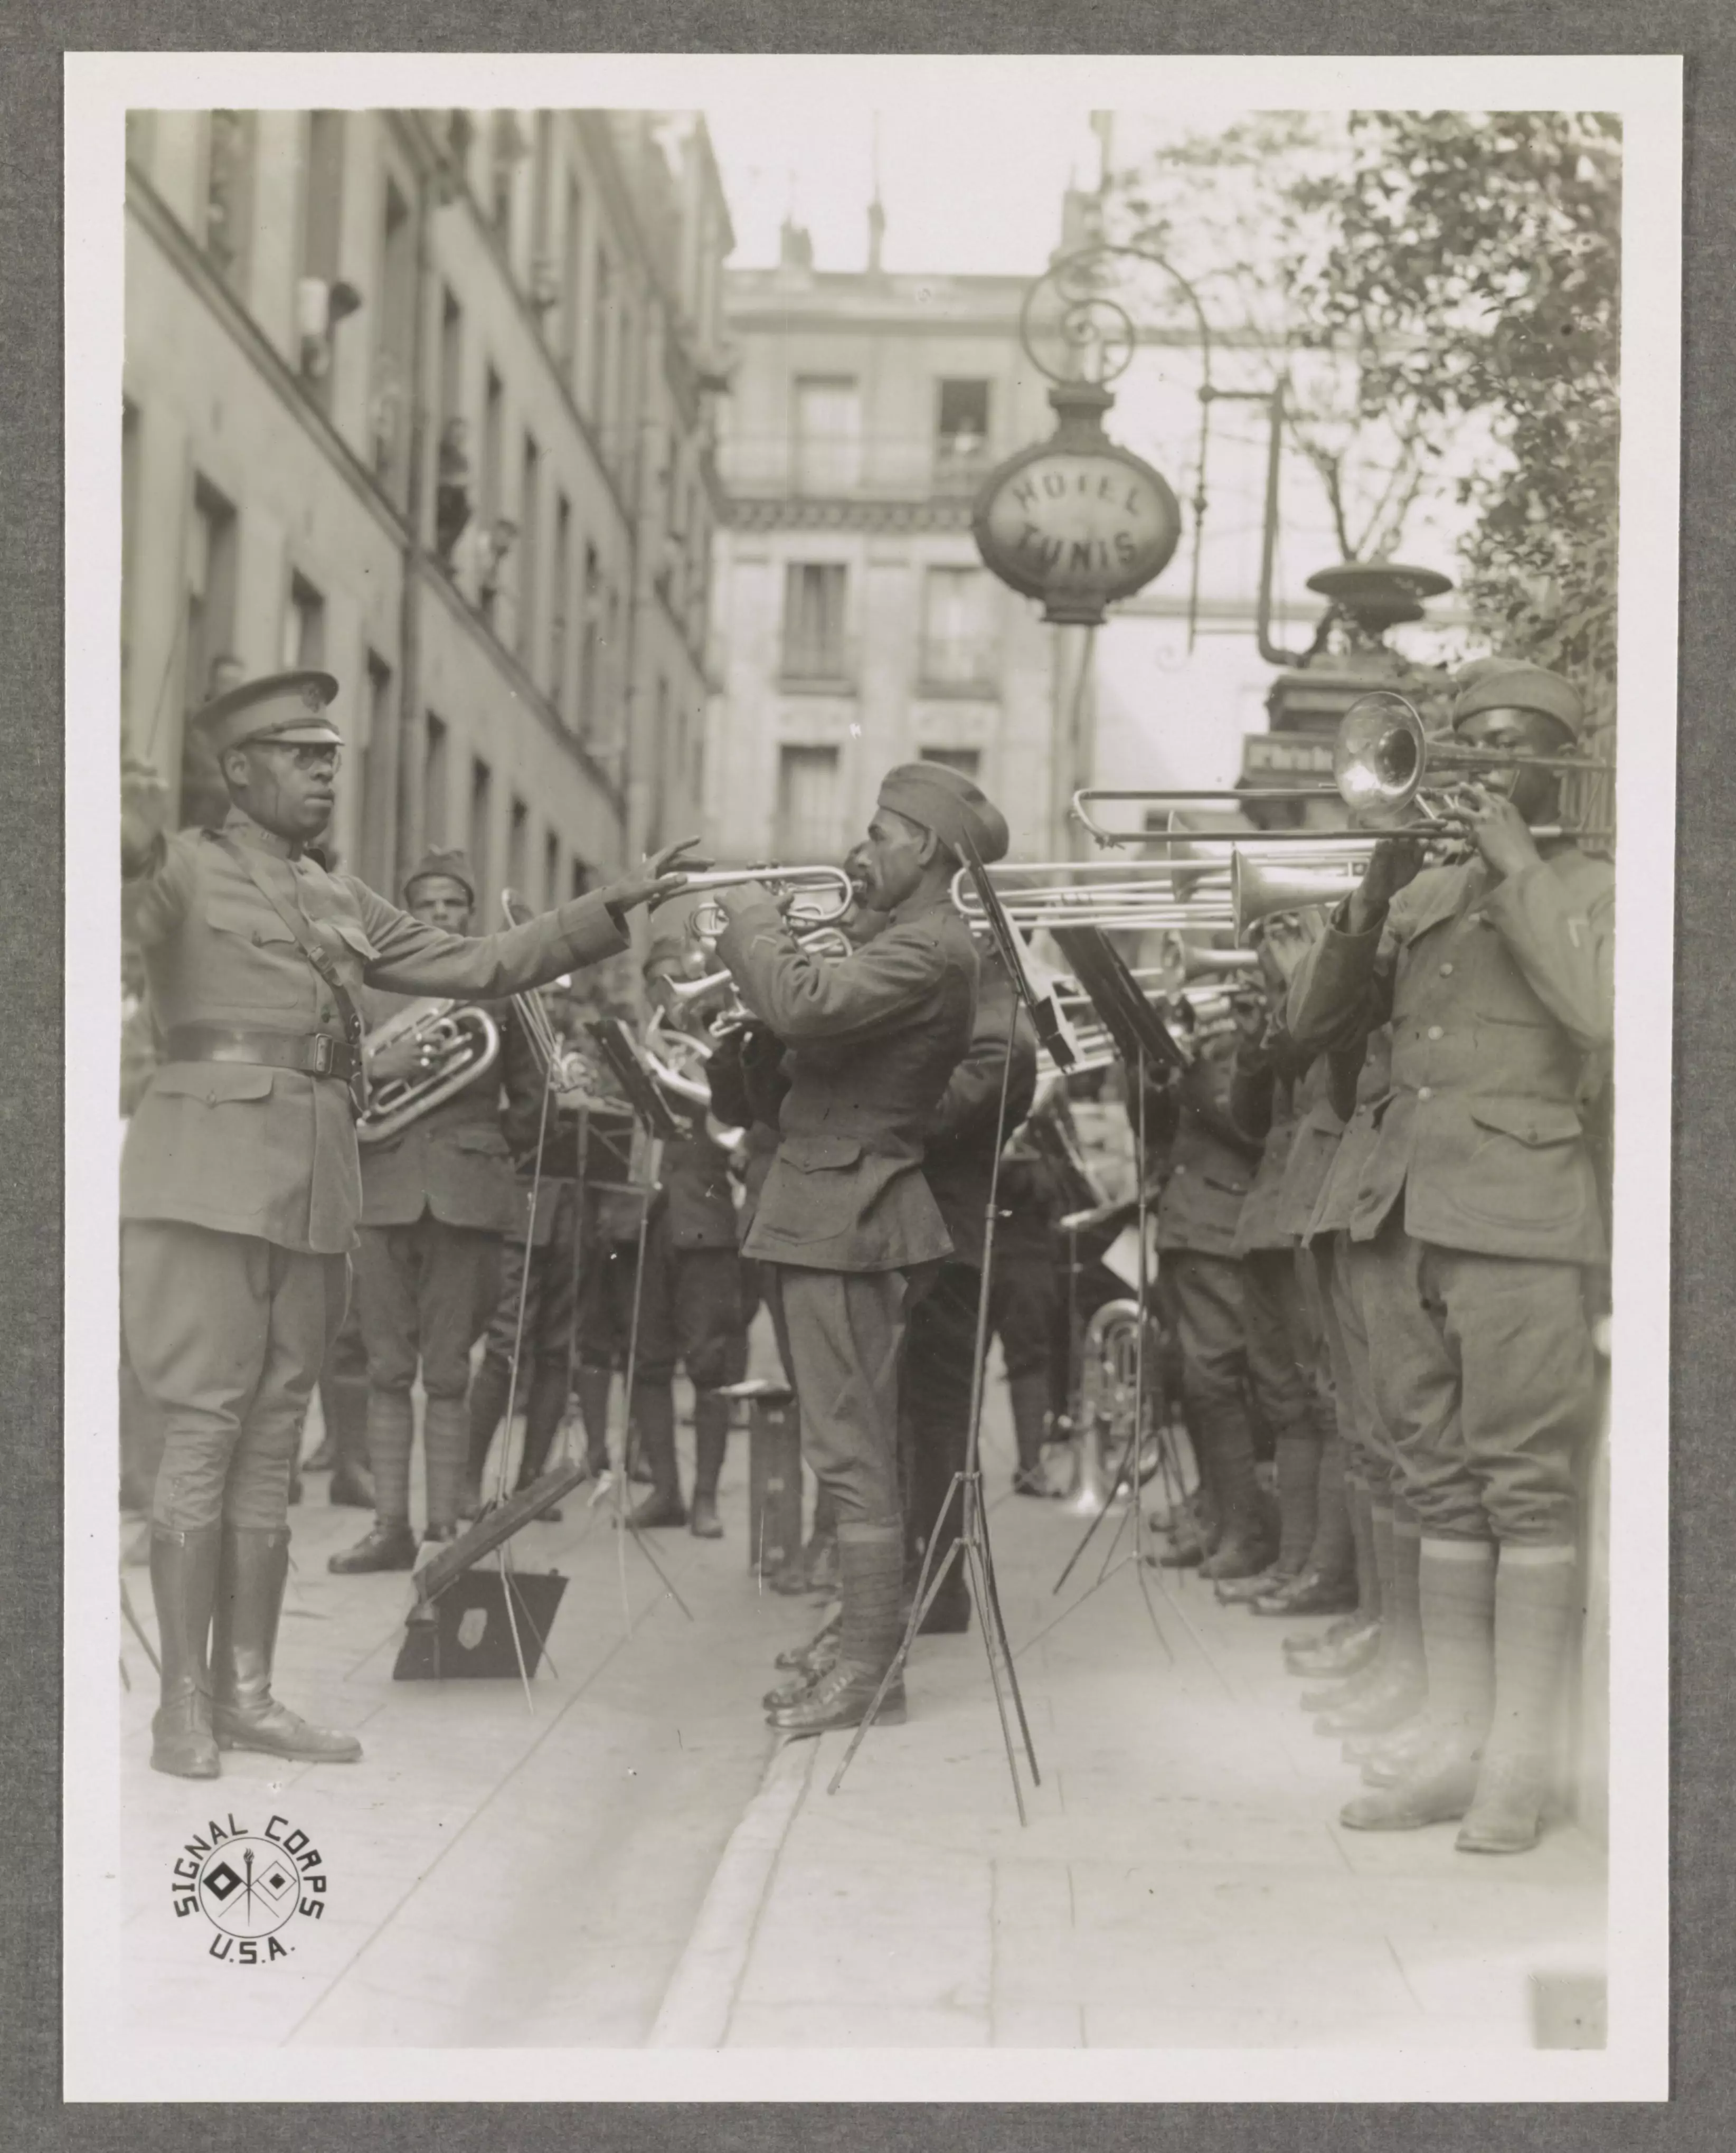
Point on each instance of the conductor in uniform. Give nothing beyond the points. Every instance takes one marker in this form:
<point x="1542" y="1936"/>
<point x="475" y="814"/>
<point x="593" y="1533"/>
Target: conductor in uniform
<point x="1480" y="1203"/>
<point x="847" y="1226"/>
<point x="241" y="1189"/>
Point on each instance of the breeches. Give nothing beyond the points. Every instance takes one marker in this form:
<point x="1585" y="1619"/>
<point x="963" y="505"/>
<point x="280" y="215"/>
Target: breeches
<point x="424" y="1293"/>
<point x="1341" y="1265"/>
<point x="549" y="1301"/>
<point x="691" y="1310"/>
<point x="1281" y="1334"/>
<point x="1483" y="1375"/>
<point x="226" y="1333"/>
<point x="842" y="1332"/>
<point x="1021" y="1310"/>
<point x="1210" y="1327"/>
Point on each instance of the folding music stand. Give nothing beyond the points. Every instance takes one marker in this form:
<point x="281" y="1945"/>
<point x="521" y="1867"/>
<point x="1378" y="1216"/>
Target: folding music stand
<point x="971" y="1545"/>
<point x="1143" y="1041"/>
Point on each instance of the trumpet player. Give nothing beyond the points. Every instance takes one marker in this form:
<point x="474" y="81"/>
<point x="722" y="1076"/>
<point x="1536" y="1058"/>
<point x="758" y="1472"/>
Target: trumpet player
<point x="240" y="1189"/>
<point x="682" y="1281"/>
<point x="846" y="1221"/>
<point x="1480" y="1202"/>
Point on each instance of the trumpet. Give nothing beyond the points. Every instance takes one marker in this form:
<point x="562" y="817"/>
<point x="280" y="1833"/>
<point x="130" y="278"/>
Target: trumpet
<point x="1381" y="758"/>
<point x="819" y="896"/>
<point x="818" y="941"/>
<point x="459" y="1042"/>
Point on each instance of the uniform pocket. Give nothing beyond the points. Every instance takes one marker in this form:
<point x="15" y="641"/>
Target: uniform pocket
<point x="352" y="932"/>
<point x="480" y="1138"/>
<point x="815" y="1154"/>
<point x="215" y="1083"/>
<point x="1534" y="1122"/>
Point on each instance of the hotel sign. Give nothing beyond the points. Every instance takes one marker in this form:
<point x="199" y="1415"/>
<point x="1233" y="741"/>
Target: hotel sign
<point x="1077" y="521"/>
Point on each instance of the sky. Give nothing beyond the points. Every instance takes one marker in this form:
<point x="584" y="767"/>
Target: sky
<point x="968" y="196"/>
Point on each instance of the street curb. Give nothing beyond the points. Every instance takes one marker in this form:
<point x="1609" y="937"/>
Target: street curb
<point x="695" y="2013"/>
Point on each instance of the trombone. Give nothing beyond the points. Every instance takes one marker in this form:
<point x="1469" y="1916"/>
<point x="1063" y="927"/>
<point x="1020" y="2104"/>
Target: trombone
<point x="1382" y="757"/>
<point x="819" y="896"/>
<point x="1104" y="894"/>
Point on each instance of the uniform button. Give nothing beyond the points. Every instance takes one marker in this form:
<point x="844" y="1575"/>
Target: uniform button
<point x="1446" y="971"/>
<point x="1425" y="1092"/>
<point x="1435" y="1032"/>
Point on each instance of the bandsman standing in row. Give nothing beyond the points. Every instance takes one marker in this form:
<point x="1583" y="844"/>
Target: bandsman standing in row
<point x="847" y="1224"/>
<point x="241" y="1188"/>
<point x="1480" y="1201"/>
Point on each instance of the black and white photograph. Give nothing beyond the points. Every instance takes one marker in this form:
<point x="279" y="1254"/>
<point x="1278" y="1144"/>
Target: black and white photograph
<point x="862" y="1073"/>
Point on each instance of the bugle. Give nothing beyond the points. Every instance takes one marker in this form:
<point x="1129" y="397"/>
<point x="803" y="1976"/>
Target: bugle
<point x="459" y="1042"/>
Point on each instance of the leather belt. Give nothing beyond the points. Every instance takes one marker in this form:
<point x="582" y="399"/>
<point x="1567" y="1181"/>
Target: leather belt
<point x="317" y="1053"/>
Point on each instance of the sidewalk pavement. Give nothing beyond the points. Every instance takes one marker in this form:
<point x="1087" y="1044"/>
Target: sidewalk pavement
<point x="1182" y="1881"/>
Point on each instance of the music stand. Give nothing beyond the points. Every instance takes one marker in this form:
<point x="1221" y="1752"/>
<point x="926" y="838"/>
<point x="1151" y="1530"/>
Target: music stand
<point x="971" y="1544"/>
<point x="1143" y="1039"/>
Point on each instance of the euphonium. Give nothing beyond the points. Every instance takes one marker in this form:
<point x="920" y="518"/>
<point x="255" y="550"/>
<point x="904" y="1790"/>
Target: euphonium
<point x="1109" y="1388"/>
<point x="462" y="1040"/>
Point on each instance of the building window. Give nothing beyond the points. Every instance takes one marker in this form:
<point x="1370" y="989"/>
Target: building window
<point x="957" y="649"/>
<point x="493" y="541"/>
<point x="560" y="602"/>
<point x="320" y="305"/>
<point x="808" y="821"/>
<point x="551" y="872"/>
<point x="828" y="435"/>
<point x="518" y="839"/>
<point x="571" y="236"/>
<point x="506" y="151"/>
<point x="589" y="629"/>
<point x="578" y="881"/>
<point x="452" y="475"/>
<point x="375" y="822"/>
<point x="966" y="760"/>
<point x="214" y="549"/>
<point x="481" y="850"/>
<point x="229" y="195"/>
<point x="436" y="788"/>
<point x="303" y="639"/>
<point x="814" y="648"/>
<point x="530" y="526"/>
<point x="390" y="417"/>
<point x="961" y="431"/>
<point x="602" y="320"/>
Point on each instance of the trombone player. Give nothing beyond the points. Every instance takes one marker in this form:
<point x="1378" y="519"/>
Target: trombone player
<point x="1480" y="1202"/>
<point x="240" y="1189"/>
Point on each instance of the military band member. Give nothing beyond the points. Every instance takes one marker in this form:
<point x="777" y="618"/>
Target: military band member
<point x="682" y="1285"/>
<point x="436" y="1199"/>
<point x="240" y="1185"/>
<point x="846" y="1223"/>
<point x="1481" y="1202"/>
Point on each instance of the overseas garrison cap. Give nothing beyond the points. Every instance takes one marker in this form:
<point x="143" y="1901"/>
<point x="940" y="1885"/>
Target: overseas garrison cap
<point x="285" y="707"/>
<point x="1515" y="687"/>
<point x="454" y="865"/>
<point x="945" y="800"/>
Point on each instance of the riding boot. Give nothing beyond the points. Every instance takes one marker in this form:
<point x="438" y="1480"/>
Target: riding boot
<point x="544" y="1402"/>
<point x="654" y="1410"/>
<point x="1400" y="1682"/>
<point x="592" y="1386"/>
<point x="1457" y="1592"/>
<point x="391" y="1545"/>
<point x="343" y="1401"/>
<point x="184" y="1584"/>
<point x="710" y="1440"/>
<point x="872" y="1559"/>
<point x="253" y="1567"/>
<point x="1332" y="1553"/>
<point x="487" y="1409"/>
<point x="1028" y="1395"/>
<point x="445" y="1446"/>
<point x="1244" y="1549"/>
<point x="1297" y="1458"/>
<point x="1535" y="1603"/>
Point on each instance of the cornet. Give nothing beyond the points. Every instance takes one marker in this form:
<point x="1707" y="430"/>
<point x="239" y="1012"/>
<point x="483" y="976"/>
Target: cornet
<point x="819" y="896"/>
<point x="819" y="942"/>
<point x="459" y="1042"/>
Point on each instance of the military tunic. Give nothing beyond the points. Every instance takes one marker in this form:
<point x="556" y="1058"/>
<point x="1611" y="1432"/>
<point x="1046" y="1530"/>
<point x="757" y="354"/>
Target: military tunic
<point x="240" y="1188"/>
<point x="1478" y="1195"/>
<point x="845" y="1217"/>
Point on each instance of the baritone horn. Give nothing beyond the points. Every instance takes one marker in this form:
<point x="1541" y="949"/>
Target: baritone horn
<point x="819" y="896"/>
<point x="459" y="1042"/>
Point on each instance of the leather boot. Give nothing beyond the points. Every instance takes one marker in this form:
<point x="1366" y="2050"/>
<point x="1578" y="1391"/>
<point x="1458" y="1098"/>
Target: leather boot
<point x="1244" y="1550"/>
<point x="1345" y="1648"/>
<point x="1312" y="1593"/>
<point x="1392" y="1757"/>
<point x="654" y="1410"/>
<point x="1240" y="1591"/>
<point x="821" y="1646"/>
<point x="1438" y="1789"/>
<point x="1332" y="1553"/>
<point x="1028" y="1395"/>
<point x="710" y="1440"/>
<point x="1394" y="1695"/>
<point x="252" y="1569"/>
<point x="872" y="1629"/>
<point x="1402" y="1685"/>
<point x="1335" y="1694"/>
<point x="545" y="1400"/>
<point x="949" y="1614"/>
<point x="591" y="1386"/>
<point x="184" y="1584"/>
<point x="1536" y="1603"/>
<point x="487" y="1409"/>
<point x="1296" y="1458"/>
<point x="446" y="1446"/>
<point x="388" y="1545"/>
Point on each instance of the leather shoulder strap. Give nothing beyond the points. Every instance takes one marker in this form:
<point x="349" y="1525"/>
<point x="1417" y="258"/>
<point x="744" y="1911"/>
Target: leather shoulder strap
<point x="318" y="958"/>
